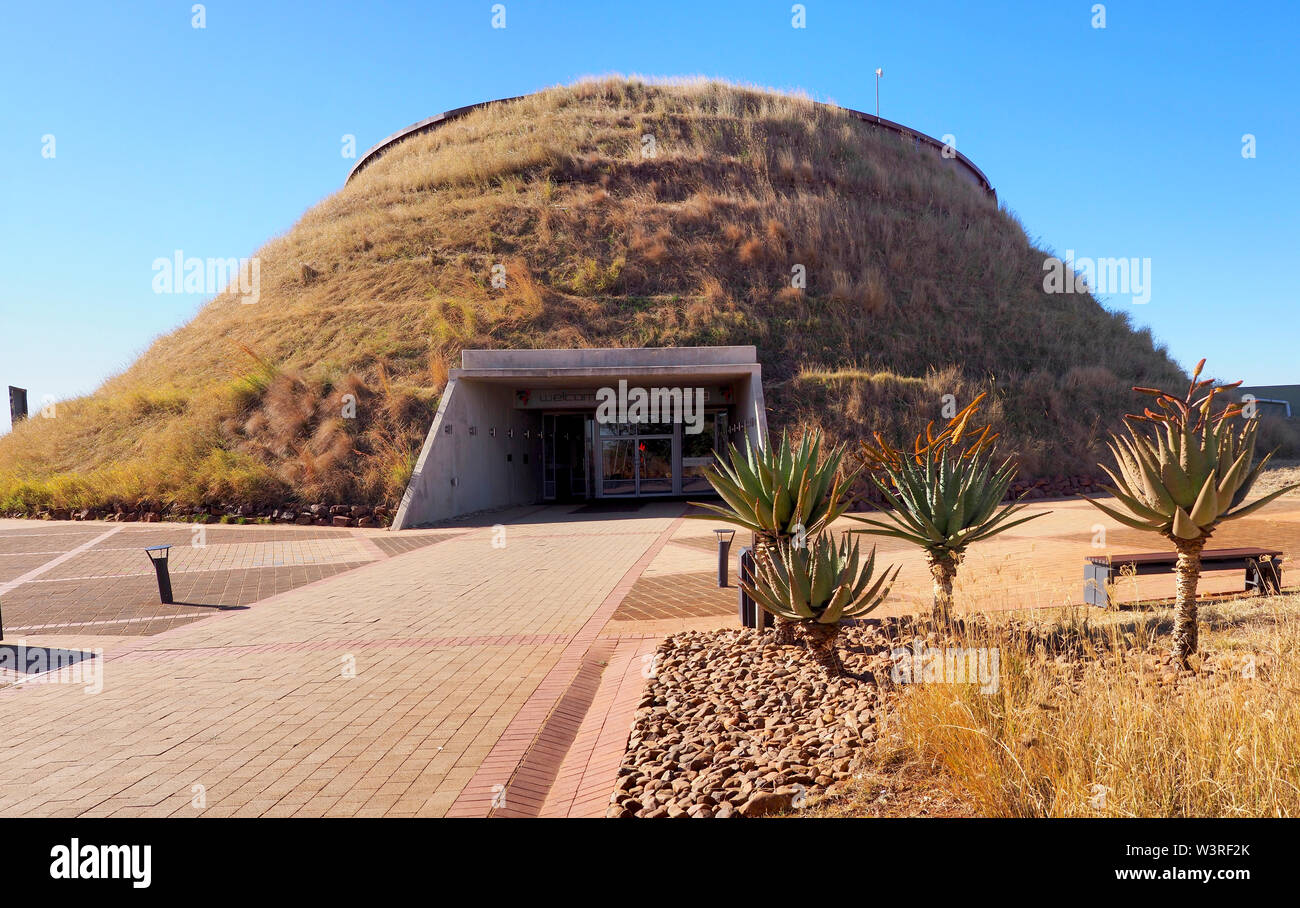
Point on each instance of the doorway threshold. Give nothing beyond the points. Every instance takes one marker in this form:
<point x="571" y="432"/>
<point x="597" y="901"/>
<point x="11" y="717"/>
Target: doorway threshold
<point x="625" y="506"/>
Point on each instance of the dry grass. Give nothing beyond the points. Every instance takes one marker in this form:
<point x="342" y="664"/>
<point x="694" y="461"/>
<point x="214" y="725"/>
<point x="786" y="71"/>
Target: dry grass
<point x="1279" y="473"/>
<point x="1102" y="731"/>
<point x="382" y="284"/>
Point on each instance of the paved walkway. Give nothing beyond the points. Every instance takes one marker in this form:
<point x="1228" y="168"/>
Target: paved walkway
<point x="382" y="691"/>
<point x="58" y="577"/>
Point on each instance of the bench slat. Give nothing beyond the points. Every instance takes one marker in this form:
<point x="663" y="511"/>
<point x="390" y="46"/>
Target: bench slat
<point x="1172" y="557"/>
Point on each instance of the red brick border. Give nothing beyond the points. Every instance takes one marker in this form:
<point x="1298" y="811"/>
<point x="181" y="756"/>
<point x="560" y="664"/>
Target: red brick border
<point x="589" y="771"/>
<point x="498" y="780"/>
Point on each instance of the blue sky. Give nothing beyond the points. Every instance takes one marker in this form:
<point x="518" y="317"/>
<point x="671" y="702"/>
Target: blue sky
<point x="1121" y="141"/>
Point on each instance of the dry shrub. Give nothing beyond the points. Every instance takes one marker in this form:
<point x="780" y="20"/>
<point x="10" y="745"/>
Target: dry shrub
<point x="715" y="294"/>
<point x="1091" y="380"/>
<point x="288" y="407"/>
<point x="697" y="210"/>
<point x="440" y="365"/>
<point x="873" y="294"/>
<point x="790" y="295"/>
<point x="526" y="293"/>
<point x="654" y="250"/>
<point x="784" y="164"/>
<point x="753" y="253"/>
<point x="843" y="290"/>
<point x="777" y="235"/>
<point x="713" y="302"/>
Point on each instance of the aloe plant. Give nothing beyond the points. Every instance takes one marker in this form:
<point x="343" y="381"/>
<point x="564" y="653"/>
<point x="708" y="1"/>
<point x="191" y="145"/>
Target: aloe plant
<point x="1189" y="474"/>
<point x="782" y="496"/>
<point x="787" y="492"/>
<point x="945" y="494"/>
<point x="818" y="586"/>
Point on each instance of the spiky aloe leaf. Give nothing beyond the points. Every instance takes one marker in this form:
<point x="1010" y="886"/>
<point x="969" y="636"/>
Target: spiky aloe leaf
<point x="1119" y="516"/>
<point x="1191" y="473"/>
<point x="946" y="502"/>
<point x="1206" y="509"/>
<point x="1259" y="503"/>
<point x="1183" y="526"/>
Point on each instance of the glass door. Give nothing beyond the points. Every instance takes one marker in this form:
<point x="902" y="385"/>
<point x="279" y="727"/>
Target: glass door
<point x="638" y="459"/>
<point x="564" y="457"/>
<point x="701" y="450"/>
<point x="654" y="455"/>
<point x="617" y="466"/>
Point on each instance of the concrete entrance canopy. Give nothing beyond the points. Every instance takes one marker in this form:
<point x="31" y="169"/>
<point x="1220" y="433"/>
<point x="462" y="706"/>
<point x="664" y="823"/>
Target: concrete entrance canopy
<point x="487" y="447"/>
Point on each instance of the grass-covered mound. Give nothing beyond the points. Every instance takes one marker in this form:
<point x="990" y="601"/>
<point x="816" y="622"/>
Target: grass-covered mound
<point x="917" y="287"/>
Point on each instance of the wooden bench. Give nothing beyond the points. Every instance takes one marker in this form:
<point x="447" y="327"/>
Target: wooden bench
<point x="1263" y="569"/>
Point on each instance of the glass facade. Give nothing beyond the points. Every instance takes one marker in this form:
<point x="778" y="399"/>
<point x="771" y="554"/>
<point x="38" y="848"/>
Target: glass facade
<point x="698" y="452"/>
<point x="654" y="465"/>
<point x="618" y="466"/>
<point x="629" y="459"/>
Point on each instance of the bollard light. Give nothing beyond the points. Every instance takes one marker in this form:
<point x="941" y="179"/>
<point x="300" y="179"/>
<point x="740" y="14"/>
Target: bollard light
<point x="724" y="546"/>
<point x="158" y="555"/>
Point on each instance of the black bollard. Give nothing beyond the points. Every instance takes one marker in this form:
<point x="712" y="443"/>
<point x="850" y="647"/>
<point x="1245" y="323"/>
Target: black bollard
<point x="158" y="555"/>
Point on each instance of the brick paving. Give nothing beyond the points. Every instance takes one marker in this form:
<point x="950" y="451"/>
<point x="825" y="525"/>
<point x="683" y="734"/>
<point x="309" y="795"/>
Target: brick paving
<point x="380" y="691"/>
<point x="687" y="595"/>
<point x="587" y="772"/>
<point x="96" y="578"/>
<point x="515" y="778"/>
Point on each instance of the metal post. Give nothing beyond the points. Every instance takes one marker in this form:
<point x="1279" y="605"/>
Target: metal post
<point x="158" y="555"/>
<point x="751" y="613"/>
<point x="744" y="568"/>
<point x="724" y="546"/>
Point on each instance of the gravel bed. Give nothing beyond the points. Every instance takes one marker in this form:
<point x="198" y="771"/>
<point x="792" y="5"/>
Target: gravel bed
<point x="732" y="724"/>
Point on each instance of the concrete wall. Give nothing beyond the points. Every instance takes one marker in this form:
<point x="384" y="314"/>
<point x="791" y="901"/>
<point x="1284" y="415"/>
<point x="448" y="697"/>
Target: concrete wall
<point x="949" y="157"/>
<point x="623" y="359"/>
<point x="750" y="409"/>
<point x="459" y="472"/>
<point x="464" y="467"/>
